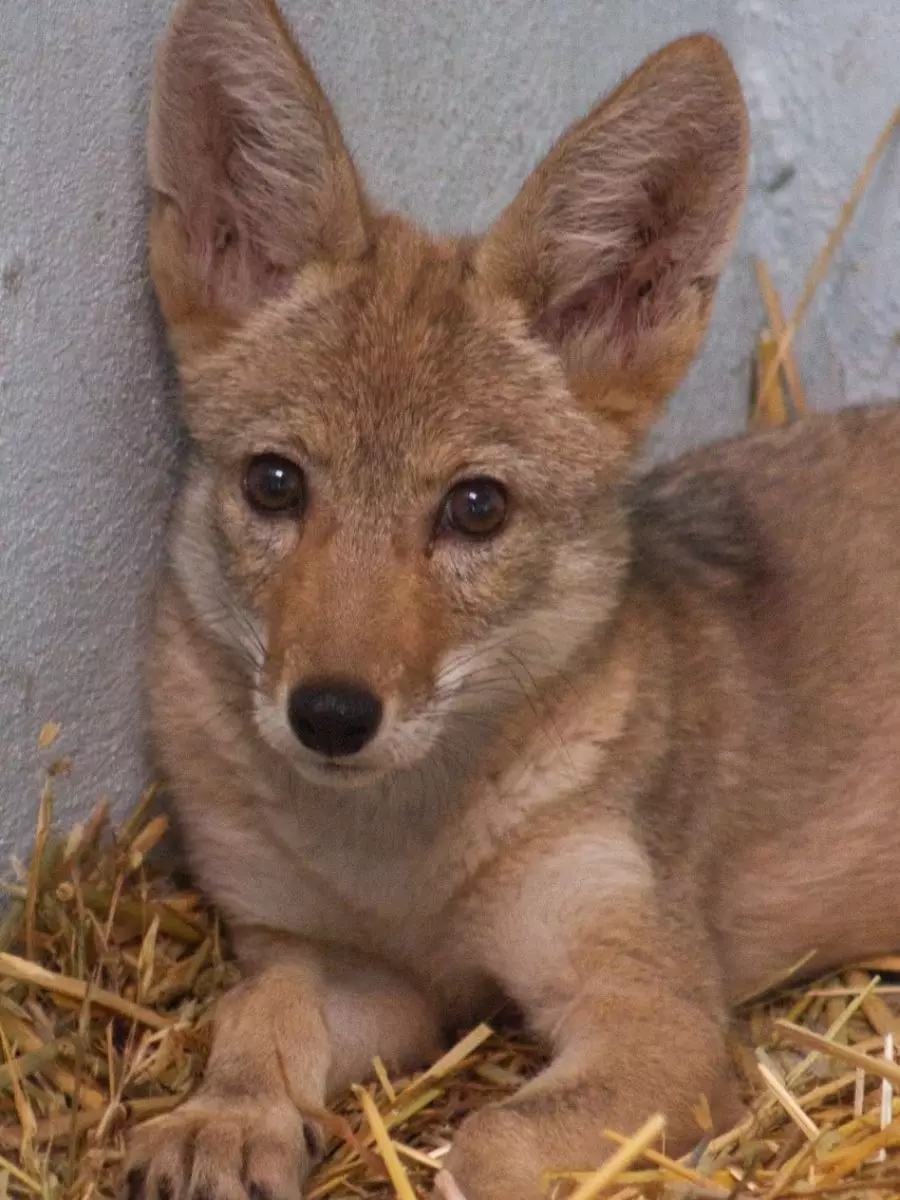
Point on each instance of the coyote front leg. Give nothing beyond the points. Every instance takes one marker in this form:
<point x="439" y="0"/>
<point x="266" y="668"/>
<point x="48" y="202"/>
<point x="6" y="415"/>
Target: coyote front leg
<point x="628" y="998"/>
<point x="302" y="1025"/>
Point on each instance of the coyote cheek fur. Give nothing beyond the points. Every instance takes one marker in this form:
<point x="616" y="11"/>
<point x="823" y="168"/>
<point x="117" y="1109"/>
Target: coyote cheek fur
<point x="453" y="706"/>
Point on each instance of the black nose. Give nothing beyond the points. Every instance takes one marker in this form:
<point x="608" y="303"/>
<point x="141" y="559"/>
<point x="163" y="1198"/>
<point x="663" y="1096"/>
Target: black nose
<point x="334" y="718"/>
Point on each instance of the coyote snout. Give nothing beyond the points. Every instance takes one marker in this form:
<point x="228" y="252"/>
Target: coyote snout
<point x="370" y="671"/>
<point x="333" y="718"/>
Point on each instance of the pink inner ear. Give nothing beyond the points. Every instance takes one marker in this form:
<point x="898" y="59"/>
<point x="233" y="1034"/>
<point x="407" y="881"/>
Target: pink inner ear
<point x="660" y="250"/>
<point x="229" y="264"/>
<point x="619" y="306"/>
<point x="247" y="151"/>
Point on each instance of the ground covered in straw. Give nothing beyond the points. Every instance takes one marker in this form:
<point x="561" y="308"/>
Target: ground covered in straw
<point x="108" y="973"/>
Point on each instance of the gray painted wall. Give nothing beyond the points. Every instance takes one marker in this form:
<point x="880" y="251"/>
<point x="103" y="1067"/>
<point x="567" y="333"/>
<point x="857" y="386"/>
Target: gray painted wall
<point x="447" y="104"/>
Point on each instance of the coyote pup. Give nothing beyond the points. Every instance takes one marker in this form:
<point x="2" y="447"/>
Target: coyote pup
<point x="453" y="706"/>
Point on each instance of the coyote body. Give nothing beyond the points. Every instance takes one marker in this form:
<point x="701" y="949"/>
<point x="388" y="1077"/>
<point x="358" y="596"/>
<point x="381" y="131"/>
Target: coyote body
<point x="456" y="708"/>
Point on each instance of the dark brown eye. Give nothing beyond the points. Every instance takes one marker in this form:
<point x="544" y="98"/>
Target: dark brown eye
<point x="274" y="486"/>
<point x="475" y="508"/>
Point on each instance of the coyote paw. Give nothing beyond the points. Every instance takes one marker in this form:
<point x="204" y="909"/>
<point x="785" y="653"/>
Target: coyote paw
<point x="222" y="1148"/>
<point x="496" y="1155"/>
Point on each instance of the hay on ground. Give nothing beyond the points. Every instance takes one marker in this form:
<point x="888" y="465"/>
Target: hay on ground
<point x="108" y="975"/>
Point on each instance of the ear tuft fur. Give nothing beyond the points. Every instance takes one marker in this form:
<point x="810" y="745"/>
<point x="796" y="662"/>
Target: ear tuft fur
<point x="615" y="244"/>
<point x="252" y="179"/>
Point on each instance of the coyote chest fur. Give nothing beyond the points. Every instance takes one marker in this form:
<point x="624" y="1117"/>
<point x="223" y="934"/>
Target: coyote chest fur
<point x="455" y="707"/>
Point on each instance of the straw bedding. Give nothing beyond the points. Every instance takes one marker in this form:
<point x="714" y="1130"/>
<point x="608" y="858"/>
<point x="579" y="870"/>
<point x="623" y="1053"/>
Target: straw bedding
<point x="109" y="970"/>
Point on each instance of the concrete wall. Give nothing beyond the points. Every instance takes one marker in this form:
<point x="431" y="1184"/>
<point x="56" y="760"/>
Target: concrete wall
<point x="447" y="103"/>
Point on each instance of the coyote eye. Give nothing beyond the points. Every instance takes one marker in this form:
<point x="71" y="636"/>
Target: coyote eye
<point x="274" y="486"/>
<point x="475" y="508"/>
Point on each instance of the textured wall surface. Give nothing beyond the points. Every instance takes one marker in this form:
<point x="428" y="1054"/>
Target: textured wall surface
<point x="446" y="104"/>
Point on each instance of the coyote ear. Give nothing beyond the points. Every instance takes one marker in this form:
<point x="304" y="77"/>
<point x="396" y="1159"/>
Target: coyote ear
<point x="615" y="244"/>
<point x="251" y="176"/>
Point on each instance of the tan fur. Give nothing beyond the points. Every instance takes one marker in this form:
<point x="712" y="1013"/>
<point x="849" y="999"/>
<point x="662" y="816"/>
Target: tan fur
<point x="638" y="751"/>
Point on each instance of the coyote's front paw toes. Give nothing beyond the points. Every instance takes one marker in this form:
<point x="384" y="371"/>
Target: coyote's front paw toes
<point x="222" y="1148"/>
